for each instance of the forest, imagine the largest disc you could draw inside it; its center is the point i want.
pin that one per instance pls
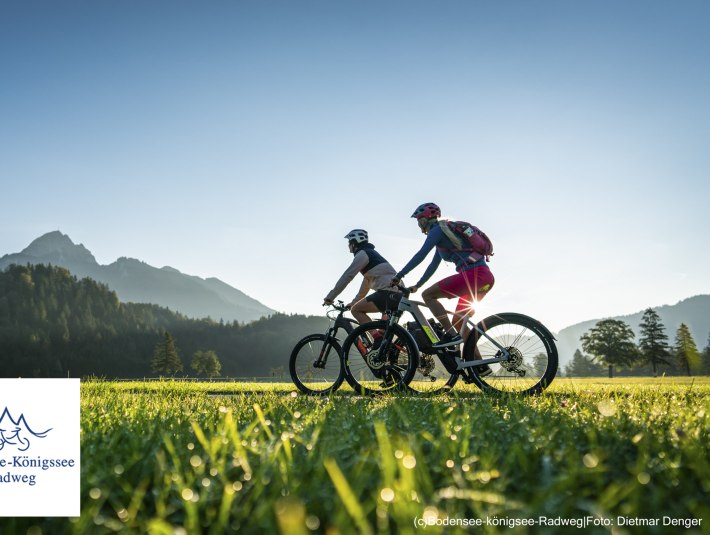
(55, 325)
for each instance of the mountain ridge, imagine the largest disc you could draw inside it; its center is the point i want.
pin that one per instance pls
(134, 280)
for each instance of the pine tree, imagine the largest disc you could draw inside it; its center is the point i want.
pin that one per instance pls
(573, 368)
(705, 367)
(582, 366)
(166, 359)
(611, 342)
(653, 342)
(685, 350)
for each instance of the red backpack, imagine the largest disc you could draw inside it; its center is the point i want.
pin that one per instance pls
(472, 238)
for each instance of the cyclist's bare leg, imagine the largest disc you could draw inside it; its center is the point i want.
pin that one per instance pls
(460, 324)
(431, 298)
(360, 310)
(464, 310)
(465, 331)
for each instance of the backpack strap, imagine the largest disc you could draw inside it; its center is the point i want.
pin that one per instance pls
(456, 240)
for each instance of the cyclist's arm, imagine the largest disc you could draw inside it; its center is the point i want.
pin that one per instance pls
(358, 264)
(430, 270)
(431, 240)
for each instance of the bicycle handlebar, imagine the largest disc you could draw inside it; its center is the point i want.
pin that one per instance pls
(402, 288)
(337, 305)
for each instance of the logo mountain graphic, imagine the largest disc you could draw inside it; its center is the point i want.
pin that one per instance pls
(17, 432)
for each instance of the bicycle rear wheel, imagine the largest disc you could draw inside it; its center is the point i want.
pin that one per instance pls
(311, 374)
(533, 355)
(375, 363)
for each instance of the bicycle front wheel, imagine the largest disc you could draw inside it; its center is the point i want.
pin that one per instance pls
(532, 362)
(315, 365)
(378, 360)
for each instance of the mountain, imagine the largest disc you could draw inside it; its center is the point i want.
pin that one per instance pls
(136, 281)
(694, 312)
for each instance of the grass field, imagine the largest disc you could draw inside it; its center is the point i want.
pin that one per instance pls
(184, 458)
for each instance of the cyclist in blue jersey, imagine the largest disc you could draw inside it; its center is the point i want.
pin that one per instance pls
(377, 274)
(471, 283)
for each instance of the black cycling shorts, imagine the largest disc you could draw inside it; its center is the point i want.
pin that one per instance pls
(385, 300)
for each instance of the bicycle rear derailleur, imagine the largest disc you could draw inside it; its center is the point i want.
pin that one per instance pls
(514, 362)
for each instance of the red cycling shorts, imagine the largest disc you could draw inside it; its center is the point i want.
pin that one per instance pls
(470, 286)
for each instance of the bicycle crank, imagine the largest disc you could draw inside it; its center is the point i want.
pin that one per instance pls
(373, 359)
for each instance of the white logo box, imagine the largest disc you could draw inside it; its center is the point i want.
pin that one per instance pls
(40, 473)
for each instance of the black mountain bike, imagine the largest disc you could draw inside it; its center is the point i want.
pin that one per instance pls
(315, 364)
(317, 368)
(506, 352)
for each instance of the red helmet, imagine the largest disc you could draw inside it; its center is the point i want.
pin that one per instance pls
(427, 210)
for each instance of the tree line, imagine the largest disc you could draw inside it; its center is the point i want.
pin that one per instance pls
(610, 344)
(55, 325)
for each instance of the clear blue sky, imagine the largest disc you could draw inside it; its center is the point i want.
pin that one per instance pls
(243, 139)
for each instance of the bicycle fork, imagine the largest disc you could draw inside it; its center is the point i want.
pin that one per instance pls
(386, 340)
(325, 349)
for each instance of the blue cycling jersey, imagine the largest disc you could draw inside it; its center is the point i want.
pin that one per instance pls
(445, 251)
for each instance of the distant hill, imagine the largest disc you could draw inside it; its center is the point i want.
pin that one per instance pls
(138, 282)
(54, 325)
(694, 312)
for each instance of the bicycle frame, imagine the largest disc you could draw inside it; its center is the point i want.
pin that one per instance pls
(406, 305)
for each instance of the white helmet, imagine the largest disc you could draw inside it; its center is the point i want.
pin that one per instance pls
(357, 235)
